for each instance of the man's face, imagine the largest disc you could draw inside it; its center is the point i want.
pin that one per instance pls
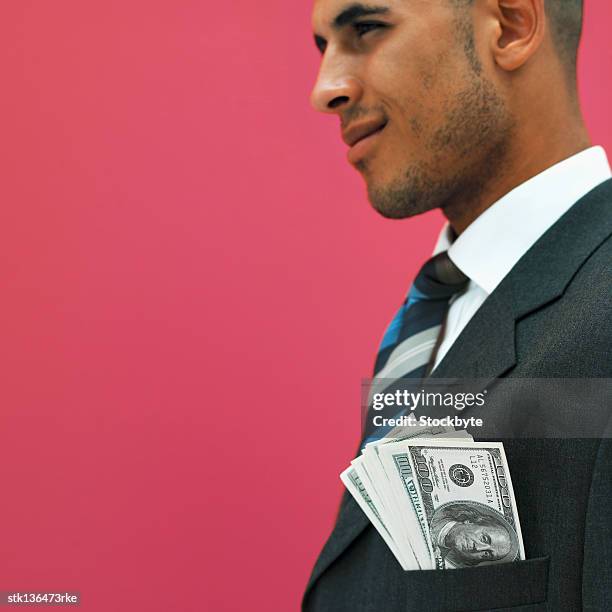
(477, 543)
(422, 121)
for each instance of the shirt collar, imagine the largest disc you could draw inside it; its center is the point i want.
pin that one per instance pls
(491, 246)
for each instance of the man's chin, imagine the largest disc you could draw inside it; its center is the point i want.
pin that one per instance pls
(398, 201)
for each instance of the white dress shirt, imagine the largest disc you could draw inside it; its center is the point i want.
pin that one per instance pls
(491, 246)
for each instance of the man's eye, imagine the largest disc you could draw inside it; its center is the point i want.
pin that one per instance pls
(363, 27)
(485, 538)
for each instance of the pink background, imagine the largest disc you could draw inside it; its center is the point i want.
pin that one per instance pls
(193, 287)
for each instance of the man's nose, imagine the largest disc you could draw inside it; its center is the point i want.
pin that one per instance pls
(481, 546)
(336, 88)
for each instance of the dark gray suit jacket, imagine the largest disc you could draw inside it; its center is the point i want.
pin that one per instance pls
(551, 317)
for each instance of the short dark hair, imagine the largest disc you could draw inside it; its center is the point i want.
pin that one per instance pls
(566, 28)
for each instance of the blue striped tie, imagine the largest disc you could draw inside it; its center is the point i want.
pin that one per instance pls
(407, 347)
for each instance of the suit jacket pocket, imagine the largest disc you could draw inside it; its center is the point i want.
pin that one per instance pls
(490, 587)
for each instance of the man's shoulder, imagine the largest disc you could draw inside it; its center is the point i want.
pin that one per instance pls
(581, 243)
(570, 334)
(594, 277)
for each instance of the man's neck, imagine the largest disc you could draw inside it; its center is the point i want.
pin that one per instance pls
(518, 168)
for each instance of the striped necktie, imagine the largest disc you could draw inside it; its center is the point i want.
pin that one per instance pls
(407, 347)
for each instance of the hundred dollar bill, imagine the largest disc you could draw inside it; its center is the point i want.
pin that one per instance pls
(353, 483)
(402, 496)
(377, 480)
(377, 490)
(465, 500)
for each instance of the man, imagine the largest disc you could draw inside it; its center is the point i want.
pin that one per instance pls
(471, 106)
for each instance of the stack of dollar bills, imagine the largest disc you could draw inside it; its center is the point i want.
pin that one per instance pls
(437, 498)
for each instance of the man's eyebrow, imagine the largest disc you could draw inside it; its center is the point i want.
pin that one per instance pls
(347, 16)
(355, 11)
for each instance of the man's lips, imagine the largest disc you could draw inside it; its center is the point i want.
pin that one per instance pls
(354, 133)
(361, 136)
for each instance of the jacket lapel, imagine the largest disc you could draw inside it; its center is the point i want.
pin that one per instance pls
(486, 348)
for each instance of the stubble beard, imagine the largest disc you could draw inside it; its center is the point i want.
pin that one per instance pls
(474, 140)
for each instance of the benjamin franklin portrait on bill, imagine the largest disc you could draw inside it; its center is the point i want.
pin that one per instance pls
(470, 533)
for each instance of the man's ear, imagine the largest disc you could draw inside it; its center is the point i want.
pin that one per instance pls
(520, 32)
